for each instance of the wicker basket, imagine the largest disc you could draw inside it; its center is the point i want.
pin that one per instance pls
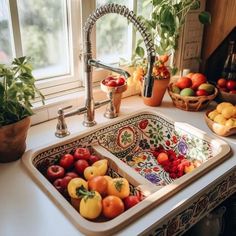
(191, 103)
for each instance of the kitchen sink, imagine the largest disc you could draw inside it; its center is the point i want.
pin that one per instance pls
(129, 143)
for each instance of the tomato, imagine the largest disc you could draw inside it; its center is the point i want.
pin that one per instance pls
(55, 172)
(111, 83)
(201, 92)
(81, 153)
(91, 205)
(99, 184)
(80, 165)
(197, 80)
(184, 82)
(73, 186)
(131, 201)
(67, 161)
(162, 157)
(231, 85)
(222, 83)
(112, 206)
(118, 187)
(120, 81)
(232, 91)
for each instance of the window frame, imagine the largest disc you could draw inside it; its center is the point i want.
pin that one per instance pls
(77, 13)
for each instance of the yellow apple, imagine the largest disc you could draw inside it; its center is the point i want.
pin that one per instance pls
(90, 172)
(102, 166)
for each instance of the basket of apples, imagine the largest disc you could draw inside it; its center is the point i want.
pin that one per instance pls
(227, 90)
(192, 92)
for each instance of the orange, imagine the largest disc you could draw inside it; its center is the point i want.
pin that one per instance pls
(162, 157)
(197, 80)
(184, 82)
(112, 206)
(99, 184)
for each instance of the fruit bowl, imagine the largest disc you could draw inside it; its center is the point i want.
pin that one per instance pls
(191, 103)
(227, 97)
(219, 129)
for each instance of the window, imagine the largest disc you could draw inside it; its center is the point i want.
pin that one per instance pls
(50, 32)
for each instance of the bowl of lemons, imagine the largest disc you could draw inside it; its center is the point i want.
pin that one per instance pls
(222, 119)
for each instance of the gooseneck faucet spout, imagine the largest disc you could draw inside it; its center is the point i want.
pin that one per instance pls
(89, 62)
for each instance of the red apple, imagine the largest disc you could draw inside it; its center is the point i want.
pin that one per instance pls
(72, 174)
(131, 201)
(201, 92)
(65, 181)
(81, 153)
(57, 184)
(92, 159)
(80, 166)
(231, 85)
(67, 161)
(55, 172)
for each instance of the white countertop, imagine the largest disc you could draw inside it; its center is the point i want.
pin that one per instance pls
(26, 210)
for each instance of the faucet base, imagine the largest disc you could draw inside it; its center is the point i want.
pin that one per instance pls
(89, 123)
(110, 115)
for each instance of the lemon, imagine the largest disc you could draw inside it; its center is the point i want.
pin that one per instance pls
(213, 114)
(230, 123)
(222, 105)
(220, 119)
(228, 112)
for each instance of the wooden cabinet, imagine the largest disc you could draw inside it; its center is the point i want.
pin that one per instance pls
(223, 21)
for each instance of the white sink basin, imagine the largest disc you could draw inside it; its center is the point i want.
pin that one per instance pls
(126, 142)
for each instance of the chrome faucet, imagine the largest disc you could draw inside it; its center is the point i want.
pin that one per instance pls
(89, 62)
(90, 105)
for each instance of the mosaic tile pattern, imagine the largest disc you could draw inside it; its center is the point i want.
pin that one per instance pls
(131, 141)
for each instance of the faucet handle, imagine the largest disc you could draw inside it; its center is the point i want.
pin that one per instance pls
(61, 129)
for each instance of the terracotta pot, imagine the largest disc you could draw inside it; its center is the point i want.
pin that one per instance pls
(159, 89)
(12, 140)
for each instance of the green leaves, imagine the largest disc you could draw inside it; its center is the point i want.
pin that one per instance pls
(165, 22)
(204, 17)
(17, 89)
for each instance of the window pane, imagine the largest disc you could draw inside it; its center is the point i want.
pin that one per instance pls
(5, 36)
(44, 35)
(113, 35)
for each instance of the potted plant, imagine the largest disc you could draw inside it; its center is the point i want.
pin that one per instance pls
(17, 89)
(165, 23)
(161, 74)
